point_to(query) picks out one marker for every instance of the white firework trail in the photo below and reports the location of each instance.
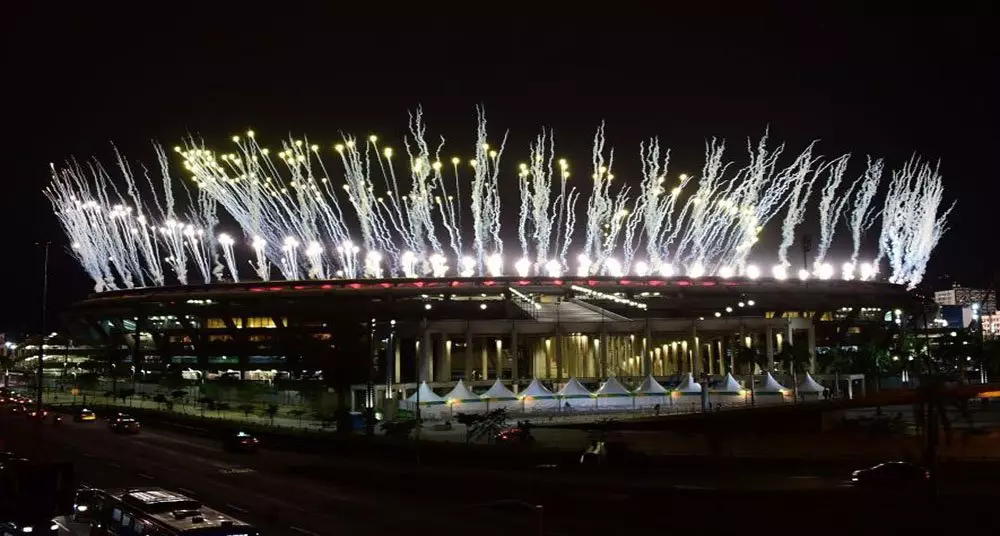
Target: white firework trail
(291, 211)
(911, 224)
(226, 242)
(762, 191)
(804, 177)
(542, 215)
(863, 213)
(832, 202)
(485, 198)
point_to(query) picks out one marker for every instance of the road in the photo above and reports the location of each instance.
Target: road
(283, 493)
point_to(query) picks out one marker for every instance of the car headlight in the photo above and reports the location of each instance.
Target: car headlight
(26, 529)
(81, 508)
(54, 527)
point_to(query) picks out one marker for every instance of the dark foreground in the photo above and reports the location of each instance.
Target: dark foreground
(293, 493)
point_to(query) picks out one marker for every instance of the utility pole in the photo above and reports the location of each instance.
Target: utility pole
(41, 343)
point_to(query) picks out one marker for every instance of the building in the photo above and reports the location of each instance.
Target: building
(991, 325)
(480, 329)
(964, 296)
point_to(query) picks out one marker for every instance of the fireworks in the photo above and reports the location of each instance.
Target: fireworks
(358, 208)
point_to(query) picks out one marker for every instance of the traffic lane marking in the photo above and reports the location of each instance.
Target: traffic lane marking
(303, 531)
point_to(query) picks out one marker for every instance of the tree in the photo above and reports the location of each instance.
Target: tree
(85, 382)
(270, 412)
(469, 420)
(795, 357)
(247, 409)
(125, 394)
(298, 413)
(160, 399)
(491, 424)
(178, 395)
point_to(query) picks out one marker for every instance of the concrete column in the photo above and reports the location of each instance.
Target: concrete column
(515, 372)
(423, 355)
(811, 341)
(558, 342)
(711, 360)
(850, 389)
(469, 362)
(485, 358)
(440, 372)
(769, 348)
(721, 357)
(499, 350)
(647, 350)
(602, 354)
(698, 366)
(396, 375)
(589, 367)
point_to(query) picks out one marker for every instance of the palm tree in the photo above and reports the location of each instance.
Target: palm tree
(796, 358)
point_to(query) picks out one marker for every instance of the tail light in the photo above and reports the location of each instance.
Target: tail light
(927, 475)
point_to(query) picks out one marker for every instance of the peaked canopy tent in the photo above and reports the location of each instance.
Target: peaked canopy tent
(729, 391)
(429, 402)
(536, 397)
(614, 395)
(688, 386)
(499, 396)
(771, 390)
(573, 390)
(462, 399)
(810, 388)
(650, 393)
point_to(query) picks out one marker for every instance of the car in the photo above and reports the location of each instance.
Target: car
(84, 415)
(48, 526)
(514, 436)
(240, 442)
(38, 414)
(891, 475)
(124, 425)
(83, 505)
(18, 409)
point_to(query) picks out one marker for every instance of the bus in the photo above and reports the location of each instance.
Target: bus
(158, 512)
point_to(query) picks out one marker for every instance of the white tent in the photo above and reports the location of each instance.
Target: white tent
(461, 393)
(729, 392)
(688, 386)
(536, 397)
(573, 389)
(650, 393)
(810, 388)
(425, 396)
(613, 395)
(461, 399)
(499, 396)
(430, 403)
(771, 392)
(577, 392)
(729, 386)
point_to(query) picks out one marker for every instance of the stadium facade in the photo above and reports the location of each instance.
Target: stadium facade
(480, 329)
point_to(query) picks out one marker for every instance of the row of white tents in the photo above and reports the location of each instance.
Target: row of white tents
(611, 396)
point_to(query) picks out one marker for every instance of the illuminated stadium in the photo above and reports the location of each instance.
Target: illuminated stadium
(653, 277)
(480, 329)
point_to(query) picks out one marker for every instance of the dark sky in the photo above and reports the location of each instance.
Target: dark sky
(887, 83)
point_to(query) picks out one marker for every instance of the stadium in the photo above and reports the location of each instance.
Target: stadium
(392, 271)
(481, 329)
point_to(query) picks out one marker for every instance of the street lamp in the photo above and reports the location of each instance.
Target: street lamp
(41, 346)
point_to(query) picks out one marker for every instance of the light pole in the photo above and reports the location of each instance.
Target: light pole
(41, 345)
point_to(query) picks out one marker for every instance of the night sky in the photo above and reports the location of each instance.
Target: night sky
(882, 83)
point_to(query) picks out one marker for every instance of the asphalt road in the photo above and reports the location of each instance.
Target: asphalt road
(296, 494)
